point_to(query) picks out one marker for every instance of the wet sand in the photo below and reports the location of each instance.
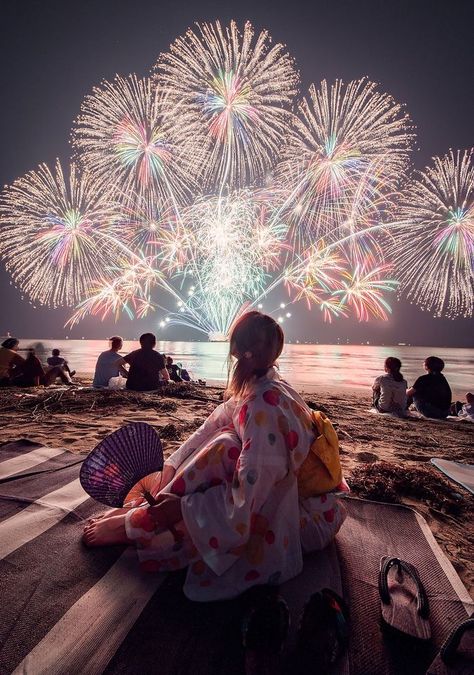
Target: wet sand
(384, 458)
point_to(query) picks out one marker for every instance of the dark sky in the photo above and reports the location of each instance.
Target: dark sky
(52, 52)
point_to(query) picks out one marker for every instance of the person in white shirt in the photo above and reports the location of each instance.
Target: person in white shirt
(109, 364)
(390, 390)
(466, 410)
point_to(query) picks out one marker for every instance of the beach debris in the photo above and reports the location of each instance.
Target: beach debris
(388, 482)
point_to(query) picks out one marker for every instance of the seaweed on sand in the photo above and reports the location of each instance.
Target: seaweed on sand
(38, 403)
(389, 482)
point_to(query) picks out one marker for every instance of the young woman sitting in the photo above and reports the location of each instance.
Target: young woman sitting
(390, 390)
(231, 512)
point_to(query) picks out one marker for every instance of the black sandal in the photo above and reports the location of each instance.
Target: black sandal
(323, 632)
(450, 659)
(405, 606)
(264, 628)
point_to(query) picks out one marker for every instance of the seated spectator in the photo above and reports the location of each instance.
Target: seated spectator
(431, 393)
(146, 365)
(183, 373)
(57, 360)
(109, 364)
(466, 410)
(9, 360)
(173, 370)
(390, 390)
(32, 374)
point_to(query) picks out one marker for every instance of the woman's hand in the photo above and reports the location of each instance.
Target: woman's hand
(167, 513)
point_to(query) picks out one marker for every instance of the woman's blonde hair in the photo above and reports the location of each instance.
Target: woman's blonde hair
(256, 341)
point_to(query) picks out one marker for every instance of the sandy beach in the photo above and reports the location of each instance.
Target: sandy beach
(384, 458)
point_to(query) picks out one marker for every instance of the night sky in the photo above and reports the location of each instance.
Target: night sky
(53, 52)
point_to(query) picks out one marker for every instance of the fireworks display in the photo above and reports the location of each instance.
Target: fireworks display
(434, 250)
(207, 185)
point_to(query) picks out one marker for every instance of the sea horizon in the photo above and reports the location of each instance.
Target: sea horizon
(305, 365)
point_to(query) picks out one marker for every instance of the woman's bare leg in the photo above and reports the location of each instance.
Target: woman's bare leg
(110, 514)
(106, 532)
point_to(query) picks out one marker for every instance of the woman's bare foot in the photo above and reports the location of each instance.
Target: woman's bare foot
(105, 532)
(108, 514)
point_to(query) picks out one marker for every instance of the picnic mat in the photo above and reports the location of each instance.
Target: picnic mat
(463, 474)
(68, 609)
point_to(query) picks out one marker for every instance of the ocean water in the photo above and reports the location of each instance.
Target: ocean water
(306, 366)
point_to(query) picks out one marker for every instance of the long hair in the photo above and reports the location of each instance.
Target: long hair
(393, 365)
(256, 341)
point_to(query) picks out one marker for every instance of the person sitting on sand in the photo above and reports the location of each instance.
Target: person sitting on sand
(390, 390)
(56, 360)
(32, 373)
(431, 393)
(109, 364)
(173, 370)
(466, 410)
(231, 495)
(10, 360)
(147, 365)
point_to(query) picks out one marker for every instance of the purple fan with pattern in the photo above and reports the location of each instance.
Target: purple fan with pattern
(123, 459)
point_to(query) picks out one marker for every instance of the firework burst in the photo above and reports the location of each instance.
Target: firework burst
(349, 148)
(131, 134)
(51, 232)
(434, 250)
(233, 249)
(239, 90)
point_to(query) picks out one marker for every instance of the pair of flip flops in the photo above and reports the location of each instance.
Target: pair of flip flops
(322, 633)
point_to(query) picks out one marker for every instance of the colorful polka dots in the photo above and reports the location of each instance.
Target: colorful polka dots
(140, 520)
(291, 440)
(271, 396)
(261, 418)
(150, 565)
(178, 487)
(252, 575)
(252, 476)
(270, 537)
(243, 415)
(233, 453)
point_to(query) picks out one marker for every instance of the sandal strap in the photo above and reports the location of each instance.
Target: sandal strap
(422, 599)
(449, 647)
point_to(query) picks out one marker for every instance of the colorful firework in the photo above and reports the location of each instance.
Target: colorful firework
(349, 148)
(239, 90)
(362, 290)
(131, 134)
(434, 250)
(171, 198)
(233, 249)
(52, 233)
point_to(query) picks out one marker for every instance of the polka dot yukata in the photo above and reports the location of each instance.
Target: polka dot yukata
(243, 522)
